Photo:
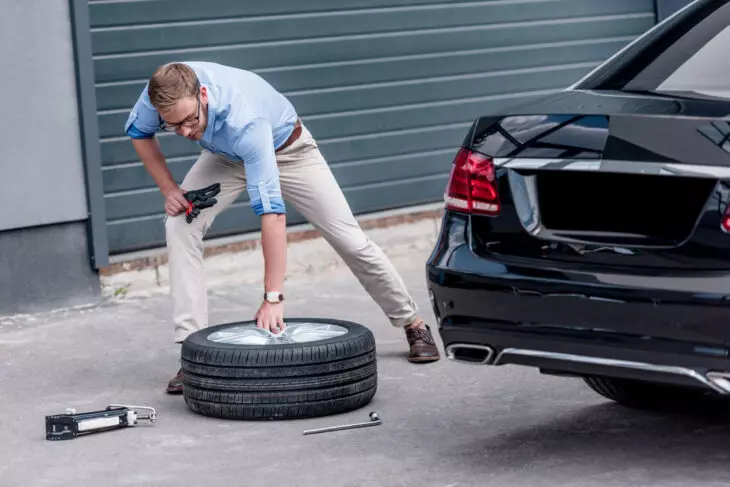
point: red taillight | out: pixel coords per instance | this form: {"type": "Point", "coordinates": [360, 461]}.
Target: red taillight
{"type": "Point", "coordinates": [726, 220]}
{"type": "Point", "coordinates": [471, 186]}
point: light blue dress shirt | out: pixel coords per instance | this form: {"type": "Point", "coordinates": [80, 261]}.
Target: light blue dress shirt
{"type": "Point", "coordinates": [247, 120]}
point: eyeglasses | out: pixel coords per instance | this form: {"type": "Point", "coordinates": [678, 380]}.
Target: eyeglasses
{"type": "Point", "coordinates": [190, 123]}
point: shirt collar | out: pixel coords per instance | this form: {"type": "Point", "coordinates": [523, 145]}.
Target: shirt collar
{"type": "Point", "coordinates": [208, 134]}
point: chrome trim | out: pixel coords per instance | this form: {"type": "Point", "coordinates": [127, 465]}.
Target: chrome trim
{"type": "Point", "coordinates": [524, 196]}
{"type": "Point", "coordinates": [720, 379]}
{"type": "Point", "coordinates": [625, 364]}
{"type": "Point", "coordinates": [616, 166]}
{"type": "Point", "coordinates": [450, 353]}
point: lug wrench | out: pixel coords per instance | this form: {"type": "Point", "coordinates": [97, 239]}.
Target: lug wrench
{"type": "Point", "coordinates": [374, 421]}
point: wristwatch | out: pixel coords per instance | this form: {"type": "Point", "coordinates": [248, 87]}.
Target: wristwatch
{"type": "Point", "coordinates": [273, 297]}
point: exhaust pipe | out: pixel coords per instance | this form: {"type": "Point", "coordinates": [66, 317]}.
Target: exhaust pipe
{"type": "Point", "coordinates": [471, 354]}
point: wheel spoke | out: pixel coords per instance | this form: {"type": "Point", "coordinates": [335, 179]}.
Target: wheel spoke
{"type": "Point", "coordinates": [295, 333]}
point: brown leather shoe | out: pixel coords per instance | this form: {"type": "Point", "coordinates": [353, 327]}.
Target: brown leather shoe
{"type": "Point", "coordinates": [423, 346]}
{"type": "Point", "coordinates": [175, 386]}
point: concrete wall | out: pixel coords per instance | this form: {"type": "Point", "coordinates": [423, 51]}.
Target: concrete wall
{"type": "Point", "coordinates": [45, 268]}
{"type": "Point", "coordinates": [44, 261]}
{"type": "Point", "coordinates": [40, 158]}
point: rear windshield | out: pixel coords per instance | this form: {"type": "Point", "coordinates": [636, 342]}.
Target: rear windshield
{"type": "Point", "coordinates": [687, 56]}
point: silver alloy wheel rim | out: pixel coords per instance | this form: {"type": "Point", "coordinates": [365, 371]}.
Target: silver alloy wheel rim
{"type": "Point", "coordinates": [295, 333]}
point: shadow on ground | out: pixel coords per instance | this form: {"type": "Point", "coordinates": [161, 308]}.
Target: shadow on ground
{"type": "Point", "coordinates": [608, 444]}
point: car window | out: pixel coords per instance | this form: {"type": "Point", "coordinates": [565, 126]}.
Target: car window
{"type": "Point", "coordinates": [686, 56]}
{"type": "Point", "coordinates": [706, 72]}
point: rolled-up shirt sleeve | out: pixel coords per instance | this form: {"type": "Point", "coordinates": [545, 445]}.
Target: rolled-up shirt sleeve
{"type": "Point", "coordinates": [143, 120]}
{"type": "Point", "coordinates": [255, 145]}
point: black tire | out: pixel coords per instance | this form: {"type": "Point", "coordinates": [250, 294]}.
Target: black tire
{"type": "Point", "coordinates": [283, 381]}
{"type": "Point", "coordinates": [645, 395]}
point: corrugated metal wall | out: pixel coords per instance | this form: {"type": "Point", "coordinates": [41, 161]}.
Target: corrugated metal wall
{"type": "Point", "coordinates": [387, 86]}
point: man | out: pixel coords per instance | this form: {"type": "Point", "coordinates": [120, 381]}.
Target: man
{"type": "Point", "coordinates": [252, 138]}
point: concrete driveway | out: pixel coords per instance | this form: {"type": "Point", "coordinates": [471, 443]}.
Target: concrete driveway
{"type": "Point", "coordinates": [445, 424]}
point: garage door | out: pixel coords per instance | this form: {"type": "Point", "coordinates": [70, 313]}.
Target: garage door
{"type": "Point", "coordinates": [387, 86]}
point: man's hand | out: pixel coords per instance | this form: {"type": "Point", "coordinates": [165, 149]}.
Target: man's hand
{"type": "Point", "coordinates": [271, 317]}
{"type": "Point", "coordinates": [200, 199]}
{"type": "Point", "coordinates": [175, 202]}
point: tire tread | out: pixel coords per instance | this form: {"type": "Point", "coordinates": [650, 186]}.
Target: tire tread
{"type": "Point", "coordinates": [285, 381]}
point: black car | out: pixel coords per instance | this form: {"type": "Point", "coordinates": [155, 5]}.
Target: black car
{"type": "Point", "coordinates": [587, 233]}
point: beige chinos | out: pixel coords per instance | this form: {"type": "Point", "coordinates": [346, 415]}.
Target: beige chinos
{"type": "Point", "coordinates": [309, 186]}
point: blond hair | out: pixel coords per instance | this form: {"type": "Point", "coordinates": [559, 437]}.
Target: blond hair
{"type": "Point", "coordinates": [170, 83]}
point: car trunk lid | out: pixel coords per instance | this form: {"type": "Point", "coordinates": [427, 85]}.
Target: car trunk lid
{"type": "Point", "coordinates": [636, 189]}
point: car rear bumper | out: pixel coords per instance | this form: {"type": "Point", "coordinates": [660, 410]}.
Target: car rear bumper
{"type": "Point", "coordinates": [664, 328]}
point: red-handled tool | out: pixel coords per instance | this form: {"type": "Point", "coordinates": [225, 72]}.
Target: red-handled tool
{"type": "Point", "coordinates": [200, 199]}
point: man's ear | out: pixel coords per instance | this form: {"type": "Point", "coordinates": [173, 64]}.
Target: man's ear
{"type": "Point", "coordinates": [204, 94]}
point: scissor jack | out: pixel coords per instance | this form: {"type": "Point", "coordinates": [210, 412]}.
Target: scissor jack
{"type": "Point", "coordinates": [115, 416]}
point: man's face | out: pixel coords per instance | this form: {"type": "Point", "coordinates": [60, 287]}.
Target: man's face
{"type": "Point", "coordinates": [189, 116]}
